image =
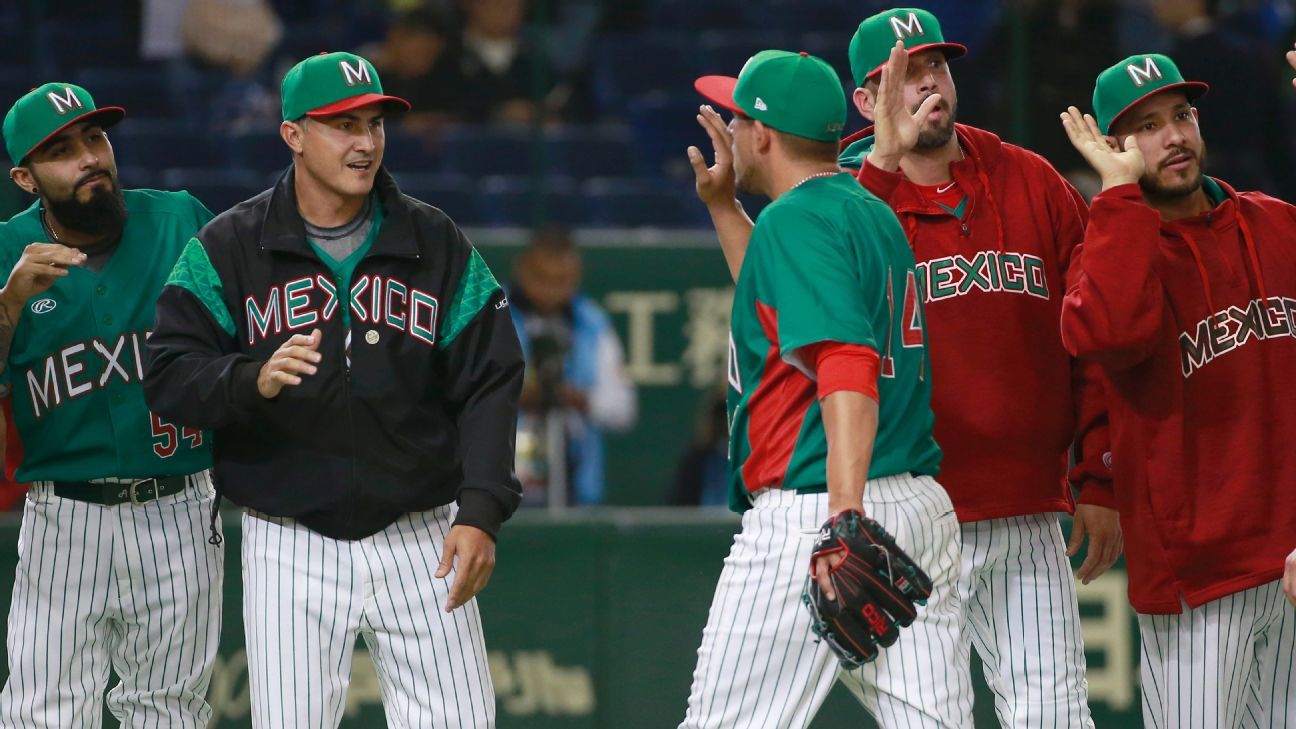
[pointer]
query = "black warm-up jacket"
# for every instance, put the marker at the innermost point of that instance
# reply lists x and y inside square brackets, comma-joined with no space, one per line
[414,404]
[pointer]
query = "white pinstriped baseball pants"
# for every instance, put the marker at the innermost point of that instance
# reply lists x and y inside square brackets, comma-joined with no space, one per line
[305,599]
[134,586]
[1019,596]
[1228,664]
[759,666]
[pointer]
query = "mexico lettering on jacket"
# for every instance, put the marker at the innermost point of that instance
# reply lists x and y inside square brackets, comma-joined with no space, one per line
[305,302]
[987,271]
[68,373]
[1233,327]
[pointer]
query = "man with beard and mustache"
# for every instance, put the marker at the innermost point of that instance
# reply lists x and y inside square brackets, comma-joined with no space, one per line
[358,363]
[115,566]
[992,227]
[1184,291]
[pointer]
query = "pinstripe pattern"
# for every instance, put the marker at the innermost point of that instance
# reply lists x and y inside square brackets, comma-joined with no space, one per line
[136,587]
[1019,597]
[1230,663]
[759,665]
[307,597]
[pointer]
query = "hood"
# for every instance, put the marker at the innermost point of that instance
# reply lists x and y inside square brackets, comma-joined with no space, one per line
[1227,210]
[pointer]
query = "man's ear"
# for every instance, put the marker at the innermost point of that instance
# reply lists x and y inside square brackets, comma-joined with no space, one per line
[865,101]
[292,132]
[23,178]
[762,137]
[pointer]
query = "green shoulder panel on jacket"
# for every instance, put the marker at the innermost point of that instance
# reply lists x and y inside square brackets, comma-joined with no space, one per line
[852,158]
[476,287]
[194,273]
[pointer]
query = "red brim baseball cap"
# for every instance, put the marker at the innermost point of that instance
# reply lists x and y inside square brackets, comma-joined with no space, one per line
[355,102]
[719,90]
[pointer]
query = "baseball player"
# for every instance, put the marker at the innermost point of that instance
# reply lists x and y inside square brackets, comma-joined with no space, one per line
[1183,290]
[992,227]
[358,364]
[1289,578]
[829,415]
[114,565]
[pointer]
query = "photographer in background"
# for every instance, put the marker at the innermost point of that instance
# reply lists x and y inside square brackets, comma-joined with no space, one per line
[576,386]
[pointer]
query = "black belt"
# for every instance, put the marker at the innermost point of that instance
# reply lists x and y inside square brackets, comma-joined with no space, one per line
[112,494]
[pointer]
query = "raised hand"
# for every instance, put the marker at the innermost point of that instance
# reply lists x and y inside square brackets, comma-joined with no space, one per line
[715,184]
[1116,167]
[1291,59]
[40,265]
[895,128]
[295,357]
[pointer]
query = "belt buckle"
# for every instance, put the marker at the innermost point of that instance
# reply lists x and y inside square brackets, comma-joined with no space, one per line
[134,492]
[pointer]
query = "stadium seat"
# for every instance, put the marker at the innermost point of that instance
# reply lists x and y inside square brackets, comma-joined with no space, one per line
[157,144]
[520,201]
[258,151]
[628,65]
[633,202]
[694,15]
[454,194]
[409,153]
[483,151]
[145,91]
[726,52]
[218,189]
[664,127]
[592,151]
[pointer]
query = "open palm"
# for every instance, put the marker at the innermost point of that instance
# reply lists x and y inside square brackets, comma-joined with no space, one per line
[1116,167]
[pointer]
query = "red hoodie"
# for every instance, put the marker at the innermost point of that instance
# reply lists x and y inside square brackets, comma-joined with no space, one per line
[1009,400]
[1194,323]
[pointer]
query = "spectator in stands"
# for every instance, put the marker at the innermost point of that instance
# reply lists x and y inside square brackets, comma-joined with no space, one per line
[419,61]
[574,369]
[511,83]
[702,475]
[1248,128]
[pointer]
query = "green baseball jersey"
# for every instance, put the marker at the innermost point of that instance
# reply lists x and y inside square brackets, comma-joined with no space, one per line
[76,363]
[827,262]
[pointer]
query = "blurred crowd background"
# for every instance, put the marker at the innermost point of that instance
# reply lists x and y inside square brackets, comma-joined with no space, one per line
[555,130]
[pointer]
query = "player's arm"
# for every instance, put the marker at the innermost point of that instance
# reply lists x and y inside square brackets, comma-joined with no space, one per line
[1096,518]
[715,187]
[39,266]
[484,369]
[195,373]
[1115,304]
[1289,576]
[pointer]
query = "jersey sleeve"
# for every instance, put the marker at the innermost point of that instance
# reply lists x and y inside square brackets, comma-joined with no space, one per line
[201,214]
[812,279]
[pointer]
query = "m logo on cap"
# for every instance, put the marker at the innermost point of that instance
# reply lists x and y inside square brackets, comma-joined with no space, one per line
[354,76]
[1142,76]
[62,104]
[907,28]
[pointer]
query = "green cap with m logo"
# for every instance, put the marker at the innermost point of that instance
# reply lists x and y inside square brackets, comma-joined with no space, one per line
[795,93]
[876,36]
[332,83]
[1134,79]
[40,114]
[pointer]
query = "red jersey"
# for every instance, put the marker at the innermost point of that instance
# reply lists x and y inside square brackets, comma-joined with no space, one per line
[1009,401]
[1194,321]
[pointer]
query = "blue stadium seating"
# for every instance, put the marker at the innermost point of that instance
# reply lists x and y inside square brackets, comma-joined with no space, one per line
[592,151]
[726,52]
[482,151]
[664,126]
[218,189]
[641,202]
[145,91]
[628,65]
[258,151]
[520,201]
[155,145]
[457,195]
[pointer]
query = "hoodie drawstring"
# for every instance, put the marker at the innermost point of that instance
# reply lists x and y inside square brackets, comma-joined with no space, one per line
[994,207]
[1201,270]
[1251,252]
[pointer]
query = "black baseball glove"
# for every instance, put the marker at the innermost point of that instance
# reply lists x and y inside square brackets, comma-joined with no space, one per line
[878,588]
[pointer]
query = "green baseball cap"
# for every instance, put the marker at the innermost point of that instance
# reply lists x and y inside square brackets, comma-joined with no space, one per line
[332,83]
[43,112]
[876,36]
[795,93]
[1134,79]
